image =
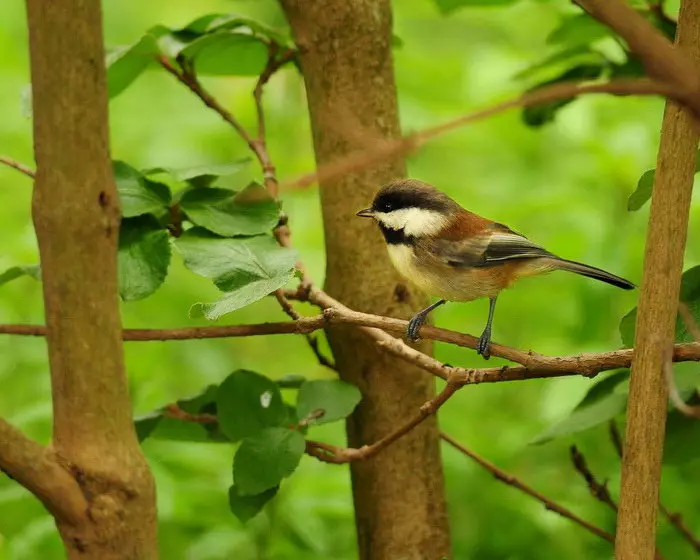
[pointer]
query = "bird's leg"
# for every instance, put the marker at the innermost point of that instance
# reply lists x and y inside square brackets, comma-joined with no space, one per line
[484,340]
[418,319]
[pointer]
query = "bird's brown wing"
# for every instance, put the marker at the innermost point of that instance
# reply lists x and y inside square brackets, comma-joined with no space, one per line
[496,245]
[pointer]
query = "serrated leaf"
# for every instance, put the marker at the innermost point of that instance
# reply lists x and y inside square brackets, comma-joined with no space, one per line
[251,211]
[125,64]
[579,29]
[247,507]
[246,403]
[690,294]
[144,257]
[138,195]
[601,404]
[263,460]
[336,398]
[247,269]
[449,6]
[32,270]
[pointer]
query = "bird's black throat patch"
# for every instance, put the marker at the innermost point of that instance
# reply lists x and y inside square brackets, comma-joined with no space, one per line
[395,236]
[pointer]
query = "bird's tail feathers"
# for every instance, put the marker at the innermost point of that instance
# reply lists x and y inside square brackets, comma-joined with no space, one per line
[592,272]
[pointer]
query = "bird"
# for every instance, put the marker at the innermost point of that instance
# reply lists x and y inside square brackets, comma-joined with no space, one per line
[458,256]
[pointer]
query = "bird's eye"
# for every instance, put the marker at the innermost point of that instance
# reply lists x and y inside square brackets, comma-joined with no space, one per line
[387,207]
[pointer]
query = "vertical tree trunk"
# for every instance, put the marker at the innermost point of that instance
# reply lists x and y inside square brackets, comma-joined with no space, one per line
[76,216]
[656,319]
[347,65]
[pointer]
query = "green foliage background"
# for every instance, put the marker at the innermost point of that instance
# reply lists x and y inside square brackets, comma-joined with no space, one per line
[565,185]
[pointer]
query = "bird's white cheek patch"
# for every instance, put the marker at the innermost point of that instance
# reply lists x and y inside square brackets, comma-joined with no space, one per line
[413,221]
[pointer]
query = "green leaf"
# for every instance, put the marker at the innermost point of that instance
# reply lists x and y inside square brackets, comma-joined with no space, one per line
[248,402]
[690,294]
[32,270]
[247,507]
[263,460]
[645,185]
[138,195]
[580,29]
[204,175]
[336,398]
[125,64]
[227,53]
[290,381]
[643,191]
[252,211]
[144,257]
[247,268]
[156,425]
[682,442]
[542,113]
[449,6]
[600,405]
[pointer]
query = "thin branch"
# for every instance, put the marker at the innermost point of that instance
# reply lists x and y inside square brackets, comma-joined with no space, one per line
[599,490]
[532,365]
[332,454]
[675,518]
[18,166]
[381,150]
[39,470]
[189,79]
[673,393]
[661,60]
[173,410]
[513,481]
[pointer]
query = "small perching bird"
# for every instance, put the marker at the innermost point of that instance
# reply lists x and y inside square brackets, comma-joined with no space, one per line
[456,255]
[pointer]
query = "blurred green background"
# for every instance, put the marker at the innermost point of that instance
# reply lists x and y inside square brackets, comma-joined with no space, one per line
[565,186]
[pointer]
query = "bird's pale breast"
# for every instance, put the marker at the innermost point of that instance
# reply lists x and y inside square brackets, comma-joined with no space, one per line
[439,279]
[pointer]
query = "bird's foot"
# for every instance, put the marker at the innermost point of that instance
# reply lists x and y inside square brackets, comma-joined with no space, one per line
[414,326]
[483,347]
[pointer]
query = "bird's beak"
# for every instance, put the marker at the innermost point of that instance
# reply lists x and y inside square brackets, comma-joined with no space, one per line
[366,213]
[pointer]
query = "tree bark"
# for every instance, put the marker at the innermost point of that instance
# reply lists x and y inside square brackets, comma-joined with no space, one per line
[76,216]
[656,319]
[346,61]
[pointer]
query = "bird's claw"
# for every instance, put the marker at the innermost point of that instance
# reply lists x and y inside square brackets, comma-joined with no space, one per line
[482,348]
[414,326]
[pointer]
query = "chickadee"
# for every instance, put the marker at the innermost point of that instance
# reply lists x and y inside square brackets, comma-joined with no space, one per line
[456,255]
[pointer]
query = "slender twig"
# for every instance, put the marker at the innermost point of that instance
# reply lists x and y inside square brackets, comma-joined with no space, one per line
[599,490]
[532,365]
[173,410]
[40,471]
[675,518]
[332,454]
[18,166]
[513,481]
[379,151]
[673,393]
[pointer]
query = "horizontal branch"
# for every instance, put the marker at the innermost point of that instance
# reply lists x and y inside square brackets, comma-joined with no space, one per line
[17,165]
[532,365]
[37,469]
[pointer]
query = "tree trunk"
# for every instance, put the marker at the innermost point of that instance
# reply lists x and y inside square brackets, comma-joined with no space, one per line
[656,319]
[346,61]
[76,216]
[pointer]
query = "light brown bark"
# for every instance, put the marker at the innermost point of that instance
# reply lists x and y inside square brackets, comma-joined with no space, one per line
[656,320]
[346,61]
[76,216]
